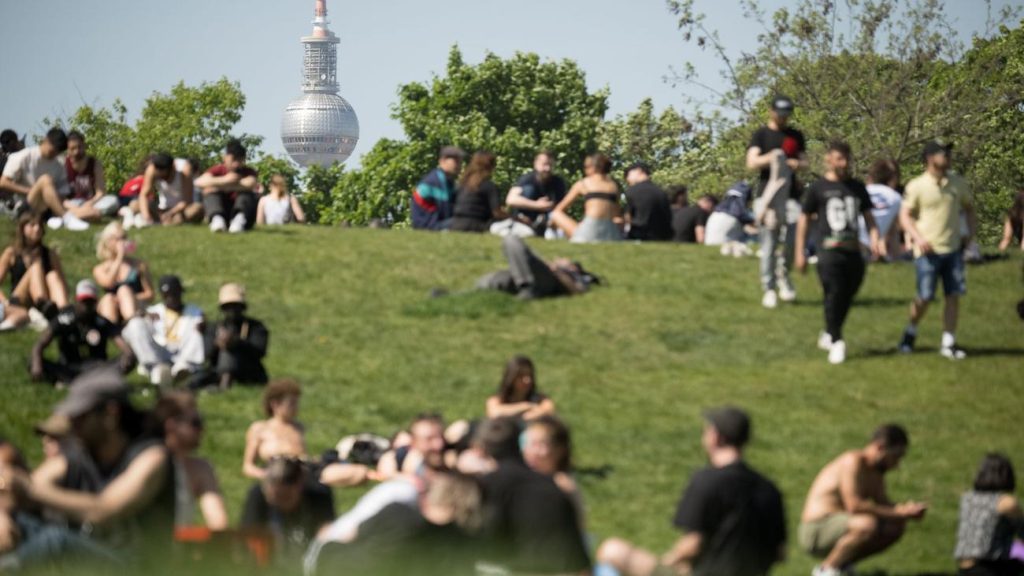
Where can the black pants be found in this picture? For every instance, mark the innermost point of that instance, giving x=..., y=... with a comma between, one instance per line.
x=221, y=204
x=841, y=275
x=994, y=568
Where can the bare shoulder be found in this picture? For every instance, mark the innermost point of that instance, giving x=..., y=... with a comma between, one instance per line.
x=256, y=428
x=1008, y=505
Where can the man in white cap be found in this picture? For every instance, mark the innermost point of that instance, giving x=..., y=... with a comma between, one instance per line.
x=81, y=336
x=236, y=344
x=168, y=340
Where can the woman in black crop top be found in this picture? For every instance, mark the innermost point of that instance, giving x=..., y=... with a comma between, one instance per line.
x=602, y=214
x=125, y=279
x=37, y=280
x=517, y=395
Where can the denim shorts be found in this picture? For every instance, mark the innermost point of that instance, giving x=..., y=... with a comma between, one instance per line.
x=950, y=267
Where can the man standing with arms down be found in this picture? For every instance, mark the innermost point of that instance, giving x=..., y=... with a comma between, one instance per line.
x=837, y=201
x=732, y=516
x=848, y=515
x=931, y=216
x=778, y=151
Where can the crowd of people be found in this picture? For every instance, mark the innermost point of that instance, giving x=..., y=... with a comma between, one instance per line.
x=490, y=495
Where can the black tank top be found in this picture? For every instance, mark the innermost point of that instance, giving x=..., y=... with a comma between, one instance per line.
x=18, y=270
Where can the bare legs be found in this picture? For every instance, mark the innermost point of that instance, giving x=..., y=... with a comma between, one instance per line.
x=950, y=315
x=121, y=305
x=43, y=195
x=564, y=222
x=626, y=558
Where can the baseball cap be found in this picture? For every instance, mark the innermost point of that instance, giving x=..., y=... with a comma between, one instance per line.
x=731, y=423
x=86, y=290
x=782, y=104
x=935, y=147
x=231, y=293
x=452, y=152
x=90, y=389
x=637, y=166
x=170, y=283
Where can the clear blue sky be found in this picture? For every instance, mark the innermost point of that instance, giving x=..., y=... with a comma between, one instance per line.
x=93, y=51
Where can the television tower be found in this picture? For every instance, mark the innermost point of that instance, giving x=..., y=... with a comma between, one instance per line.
x=320, y=127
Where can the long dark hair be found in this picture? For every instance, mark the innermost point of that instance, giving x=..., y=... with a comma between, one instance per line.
x=516, y=368
x=995, y=474
x=20, y=244
x=480, y=169
x=1016, y=212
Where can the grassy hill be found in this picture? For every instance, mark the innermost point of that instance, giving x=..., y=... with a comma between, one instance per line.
x=631, y=365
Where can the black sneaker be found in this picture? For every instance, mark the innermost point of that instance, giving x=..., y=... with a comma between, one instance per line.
x=907, y=343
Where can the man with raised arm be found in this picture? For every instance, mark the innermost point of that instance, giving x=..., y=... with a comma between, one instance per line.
x=848, y=515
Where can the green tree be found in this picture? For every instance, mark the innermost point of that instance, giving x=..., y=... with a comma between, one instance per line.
x=188, y=122
x=511, y=107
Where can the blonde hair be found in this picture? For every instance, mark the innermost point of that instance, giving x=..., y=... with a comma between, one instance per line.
x=461, y=494
x=103, y=251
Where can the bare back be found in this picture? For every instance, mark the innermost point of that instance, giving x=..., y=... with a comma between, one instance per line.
x=605, y=205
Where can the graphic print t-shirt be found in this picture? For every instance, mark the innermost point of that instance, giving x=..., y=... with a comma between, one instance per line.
x=838, y=206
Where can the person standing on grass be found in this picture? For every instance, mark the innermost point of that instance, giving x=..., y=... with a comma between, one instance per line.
x=931, y=216
x=836, y=202
x=848, y=515
x=778, y=152
x=732, y=516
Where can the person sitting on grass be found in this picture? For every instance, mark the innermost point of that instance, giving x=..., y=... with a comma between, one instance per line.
x=38, y=287
x=177, y=416
x=547, y=448
x=123, y=277
x=168, y=340
x=166, y=193
x=82, y=335
x=229, y=191
x=288, y=505
x=235, y=344
x=848, y=515
x=477, y=203
x=517, y=395
x=602, y=214
x=36, y=177
x=732, y=517
x=433, y=199
x=281, y=434
x=990, y=518
x=278, y=206
x=88, y=183
x=528, y=277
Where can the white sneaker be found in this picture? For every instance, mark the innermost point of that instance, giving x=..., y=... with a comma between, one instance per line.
x=953, y=352
x=237, y=224
x=74, y=223
x=55, y=223
x=820, y=570
x=825, y=341
x=37, y=321
x=217, y=224
x=786, y=292
x=140, y=221
x=837, y=353
x=770, y=299
x=160, y=375
x=127, y=217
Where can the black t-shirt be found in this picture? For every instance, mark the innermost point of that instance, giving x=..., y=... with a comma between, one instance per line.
x=838, y=206
x=650, y=212
x=685, y=222
x=740, y=517
x=553, y=189
x=398, y=540
x=295, y=529
x=476, y=206
x=80, y=338
x=790, y=140
x=531, y=525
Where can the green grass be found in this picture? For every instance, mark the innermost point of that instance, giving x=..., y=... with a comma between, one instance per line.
x=631, y=365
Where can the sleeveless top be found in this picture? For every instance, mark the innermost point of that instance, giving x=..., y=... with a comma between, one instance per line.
x=18, y=269
x=278, y=212
x=184, y=500
x=983, y=534
x=133, y=281
x=83, y=184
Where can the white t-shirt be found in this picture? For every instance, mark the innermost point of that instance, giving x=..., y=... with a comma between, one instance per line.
x=277, y=211
x=170, y=193
x=26, y=166
x=885, y=207
x=171, y=329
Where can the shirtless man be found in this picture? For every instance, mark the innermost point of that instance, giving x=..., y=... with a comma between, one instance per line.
x=848, y=515
x=426, y=446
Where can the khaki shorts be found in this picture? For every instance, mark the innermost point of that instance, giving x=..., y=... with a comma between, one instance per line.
x=820, y=536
